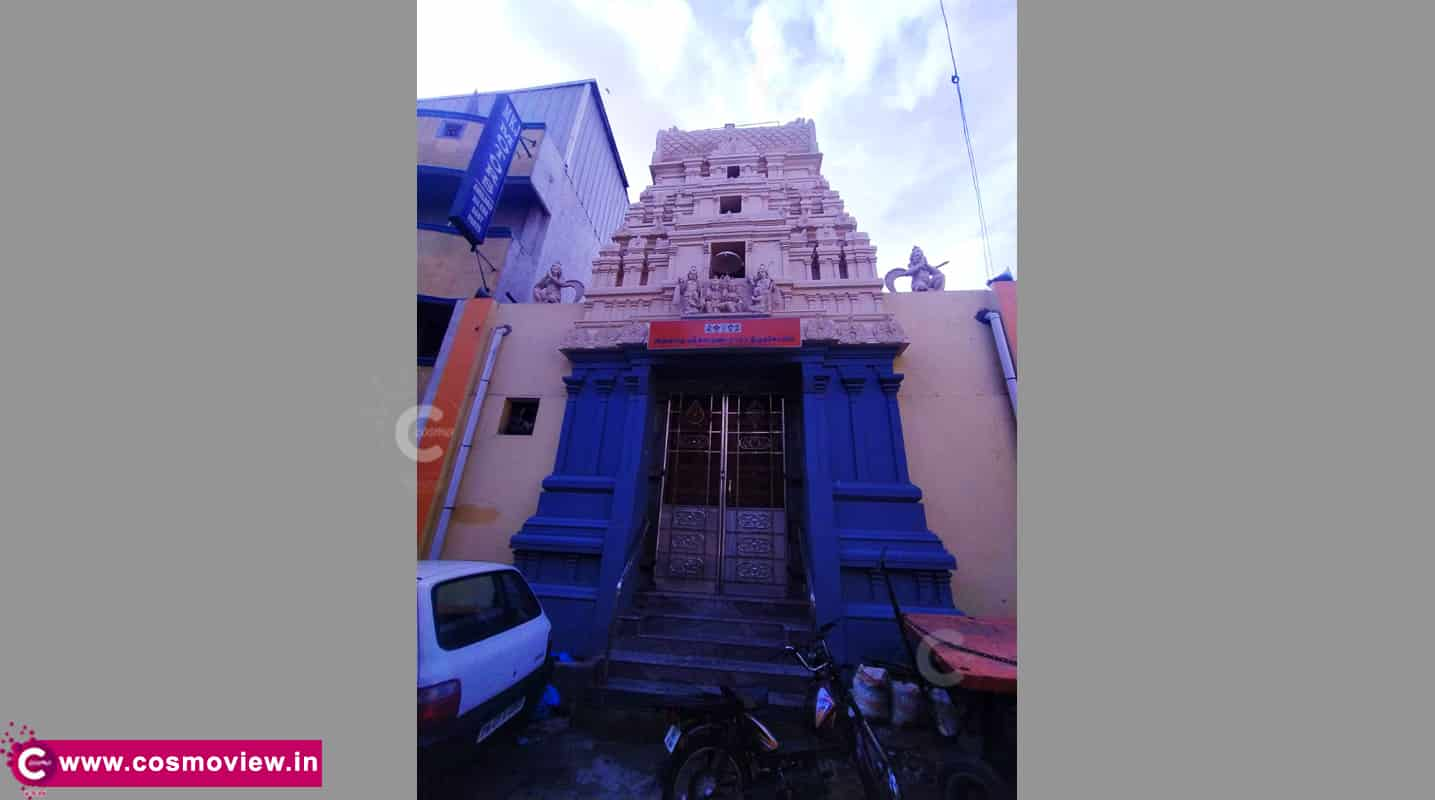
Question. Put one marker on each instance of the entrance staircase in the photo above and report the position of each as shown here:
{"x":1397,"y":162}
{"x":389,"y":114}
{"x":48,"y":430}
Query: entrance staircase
{"x":669,"y":646}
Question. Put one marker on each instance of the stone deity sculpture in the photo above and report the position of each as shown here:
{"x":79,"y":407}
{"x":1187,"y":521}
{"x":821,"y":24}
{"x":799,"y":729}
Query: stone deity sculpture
{"x":925,"y":277}
{"x":724,"y":297}
{"x":688,"y":294}
{"x":764,"y":297}
{"x":550,"y":288}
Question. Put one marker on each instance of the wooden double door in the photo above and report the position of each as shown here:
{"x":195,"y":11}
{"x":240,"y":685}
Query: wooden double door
{"x":722,"y":519}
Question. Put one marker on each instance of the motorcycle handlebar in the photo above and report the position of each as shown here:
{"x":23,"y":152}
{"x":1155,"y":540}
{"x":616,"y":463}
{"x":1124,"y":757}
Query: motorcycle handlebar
{"x":803,"y":660}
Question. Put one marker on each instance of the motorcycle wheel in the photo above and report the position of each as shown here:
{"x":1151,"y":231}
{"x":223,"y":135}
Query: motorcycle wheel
{"x":971,"y":778}
{"x":705,"y":772}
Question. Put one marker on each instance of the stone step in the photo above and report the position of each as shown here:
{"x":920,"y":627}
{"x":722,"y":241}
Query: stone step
{"x":639,"y":693}
{"x":705,"y":646}
{"x":704,"y":671}
{"x":695,"y":626}
{"x":723,"y":606}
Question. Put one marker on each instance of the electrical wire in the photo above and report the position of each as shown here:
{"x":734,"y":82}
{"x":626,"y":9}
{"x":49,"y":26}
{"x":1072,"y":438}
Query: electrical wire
{"x":971,"y":156}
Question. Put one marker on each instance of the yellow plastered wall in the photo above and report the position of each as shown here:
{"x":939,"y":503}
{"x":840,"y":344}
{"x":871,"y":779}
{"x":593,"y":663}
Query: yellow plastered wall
{"x":504,"y":474}
{"x":961,"y":441}
{"x":439,"y":151}
{"x":447,"y":268}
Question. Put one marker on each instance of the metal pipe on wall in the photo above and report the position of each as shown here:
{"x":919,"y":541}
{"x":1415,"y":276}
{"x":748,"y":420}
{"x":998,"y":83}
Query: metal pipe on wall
{"x":994,"y":320}
{"x":450,"y":498}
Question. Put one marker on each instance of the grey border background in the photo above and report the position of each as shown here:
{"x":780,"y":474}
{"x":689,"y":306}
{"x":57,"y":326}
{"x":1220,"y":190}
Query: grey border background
{"x":207,"y":323}
{"x":1223,"y":470}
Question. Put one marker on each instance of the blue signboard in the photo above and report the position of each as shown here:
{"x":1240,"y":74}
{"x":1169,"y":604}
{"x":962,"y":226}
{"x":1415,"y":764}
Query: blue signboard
{"x":477,"y":195}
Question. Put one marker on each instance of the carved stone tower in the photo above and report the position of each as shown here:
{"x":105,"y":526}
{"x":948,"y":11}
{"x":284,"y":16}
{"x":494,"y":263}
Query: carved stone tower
{"x":747,"y":213}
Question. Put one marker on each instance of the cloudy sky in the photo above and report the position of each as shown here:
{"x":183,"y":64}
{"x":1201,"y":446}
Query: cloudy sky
{"x":875,"y":76}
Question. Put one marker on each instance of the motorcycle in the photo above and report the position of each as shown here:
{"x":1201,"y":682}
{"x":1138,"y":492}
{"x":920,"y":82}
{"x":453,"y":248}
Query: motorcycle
{"x":719,"y":749}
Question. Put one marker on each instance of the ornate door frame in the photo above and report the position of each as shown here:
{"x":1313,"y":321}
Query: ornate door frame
{"x":718,"y":535}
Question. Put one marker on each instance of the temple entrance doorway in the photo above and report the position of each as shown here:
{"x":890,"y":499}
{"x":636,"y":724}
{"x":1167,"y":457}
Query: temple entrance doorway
{"x":725,"y":523}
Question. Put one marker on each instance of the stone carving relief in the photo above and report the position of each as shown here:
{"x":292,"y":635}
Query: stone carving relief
{"x":849,"y":331}
{"x":754,"y":570}
{"x":550,"y":288}
{"x":754,"y":546}
{"x":798,"y":136}
{"x":925,"y":277}
{"x":694,"y":295}
{"x":725,"y":296}
{"x":594,"y":338}
{"x":688,"y":518}
{"x":686,"y":567}
{"x":688,"y":541}
{"x":763,"y":294}
{"x":754,"y":520}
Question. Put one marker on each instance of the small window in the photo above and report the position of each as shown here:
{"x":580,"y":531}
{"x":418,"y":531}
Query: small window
{"x":730,"y":205}
{"x":468,"y":610}
{"x":733,"y":172}
{"x":434,"y":315}
{"x":450,"y":130}
{"x":520,"y":415}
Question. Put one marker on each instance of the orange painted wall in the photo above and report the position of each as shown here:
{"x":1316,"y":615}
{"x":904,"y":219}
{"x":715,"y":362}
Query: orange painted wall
{"x":443,"y":430}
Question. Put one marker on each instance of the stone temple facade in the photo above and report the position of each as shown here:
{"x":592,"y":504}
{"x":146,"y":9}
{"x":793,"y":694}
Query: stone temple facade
{"x":737,"y":221}
{"x":774,"y":467}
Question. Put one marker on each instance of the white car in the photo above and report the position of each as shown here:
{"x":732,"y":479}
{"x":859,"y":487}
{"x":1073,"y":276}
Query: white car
{"x":484,"y":650}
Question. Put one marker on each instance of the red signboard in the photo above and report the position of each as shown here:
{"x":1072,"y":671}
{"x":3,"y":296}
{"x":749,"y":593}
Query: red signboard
{"x":692,"y":334}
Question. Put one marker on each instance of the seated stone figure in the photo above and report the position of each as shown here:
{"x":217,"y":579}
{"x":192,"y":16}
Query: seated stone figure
{"x":724,"y":297}
{"x":688,"y":294}
{"x":550,"y":288}
{"x":925,"y":277}
{"x":764,"y":297}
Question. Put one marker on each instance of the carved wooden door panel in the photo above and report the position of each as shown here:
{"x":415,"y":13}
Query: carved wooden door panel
{"x":722,"y":525}
{"x":690,"y":518}
{"x":754,"y":504}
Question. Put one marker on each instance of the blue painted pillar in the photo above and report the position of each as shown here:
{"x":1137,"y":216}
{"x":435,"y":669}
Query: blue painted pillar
{"x":861,"y":503}
{"x":625,"y":528}
{"x":820,"y":545}
{"x":574,"y":546}
{"x":890,"y":384}
{"x":560,"y":547}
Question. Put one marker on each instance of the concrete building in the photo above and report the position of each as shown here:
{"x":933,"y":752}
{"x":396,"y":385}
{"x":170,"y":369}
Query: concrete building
{"x":564,"y":193}
{"x":736,"y":425}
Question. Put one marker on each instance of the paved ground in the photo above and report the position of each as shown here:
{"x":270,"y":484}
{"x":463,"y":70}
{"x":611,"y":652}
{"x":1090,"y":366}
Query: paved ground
{"x":611,"y":757}
{"x":554,"y":759}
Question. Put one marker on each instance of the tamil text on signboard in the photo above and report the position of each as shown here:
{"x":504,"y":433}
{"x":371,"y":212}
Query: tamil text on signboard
{"x":689,"y":334}
{"x":477,"y":195}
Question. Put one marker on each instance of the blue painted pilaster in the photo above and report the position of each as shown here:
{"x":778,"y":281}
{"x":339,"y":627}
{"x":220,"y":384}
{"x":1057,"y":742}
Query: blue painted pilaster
{"x":862,"y":503}
{"x":625,"y":530}
{"x":822,"y":562}
{"x":573,"y":548}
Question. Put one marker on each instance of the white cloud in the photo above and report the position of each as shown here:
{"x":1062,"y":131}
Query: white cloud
{"x":875,"y":77}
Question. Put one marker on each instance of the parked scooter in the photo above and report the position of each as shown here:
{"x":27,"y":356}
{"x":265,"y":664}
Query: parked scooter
{"x":721,"y":750}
